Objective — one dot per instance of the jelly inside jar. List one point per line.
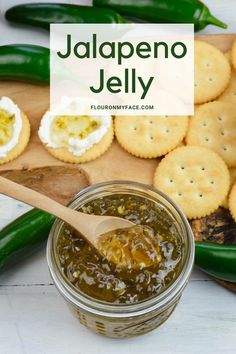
(100, 278)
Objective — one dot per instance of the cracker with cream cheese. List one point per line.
(76, 139)
(14, 130)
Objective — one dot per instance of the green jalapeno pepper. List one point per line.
(24, 236)
(169, 11)
(25, 62)
(43, 14)
(216, 260)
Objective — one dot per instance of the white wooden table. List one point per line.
(35, 320)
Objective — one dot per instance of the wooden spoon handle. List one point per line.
(91, 226)
(40, 201)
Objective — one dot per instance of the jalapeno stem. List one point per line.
(207, 18)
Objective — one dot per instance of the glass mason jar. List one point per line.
(123, 320)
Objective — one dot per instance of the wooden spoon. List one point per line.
(90, 226)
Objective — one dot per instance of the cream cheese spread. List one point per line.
(76, 133)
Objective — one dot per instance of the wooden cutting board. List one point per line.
(114, 164)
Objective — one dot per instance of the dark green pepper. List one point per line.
(216, 260)
(167, 11)
(24, 236)
(25, 62)
(43, 14)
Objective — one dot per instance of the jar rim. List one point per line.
(78, 298)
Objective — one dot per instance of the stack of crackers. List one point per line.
(198, 166)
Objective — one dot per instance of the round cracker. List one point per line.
(233, 54)
(212, 72)
(214, 126)
(93, 153)
(232, 202)
(196, 178)
(150, 136)
(22, 141)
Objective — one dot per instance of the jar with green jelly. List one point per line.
(123, 319)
